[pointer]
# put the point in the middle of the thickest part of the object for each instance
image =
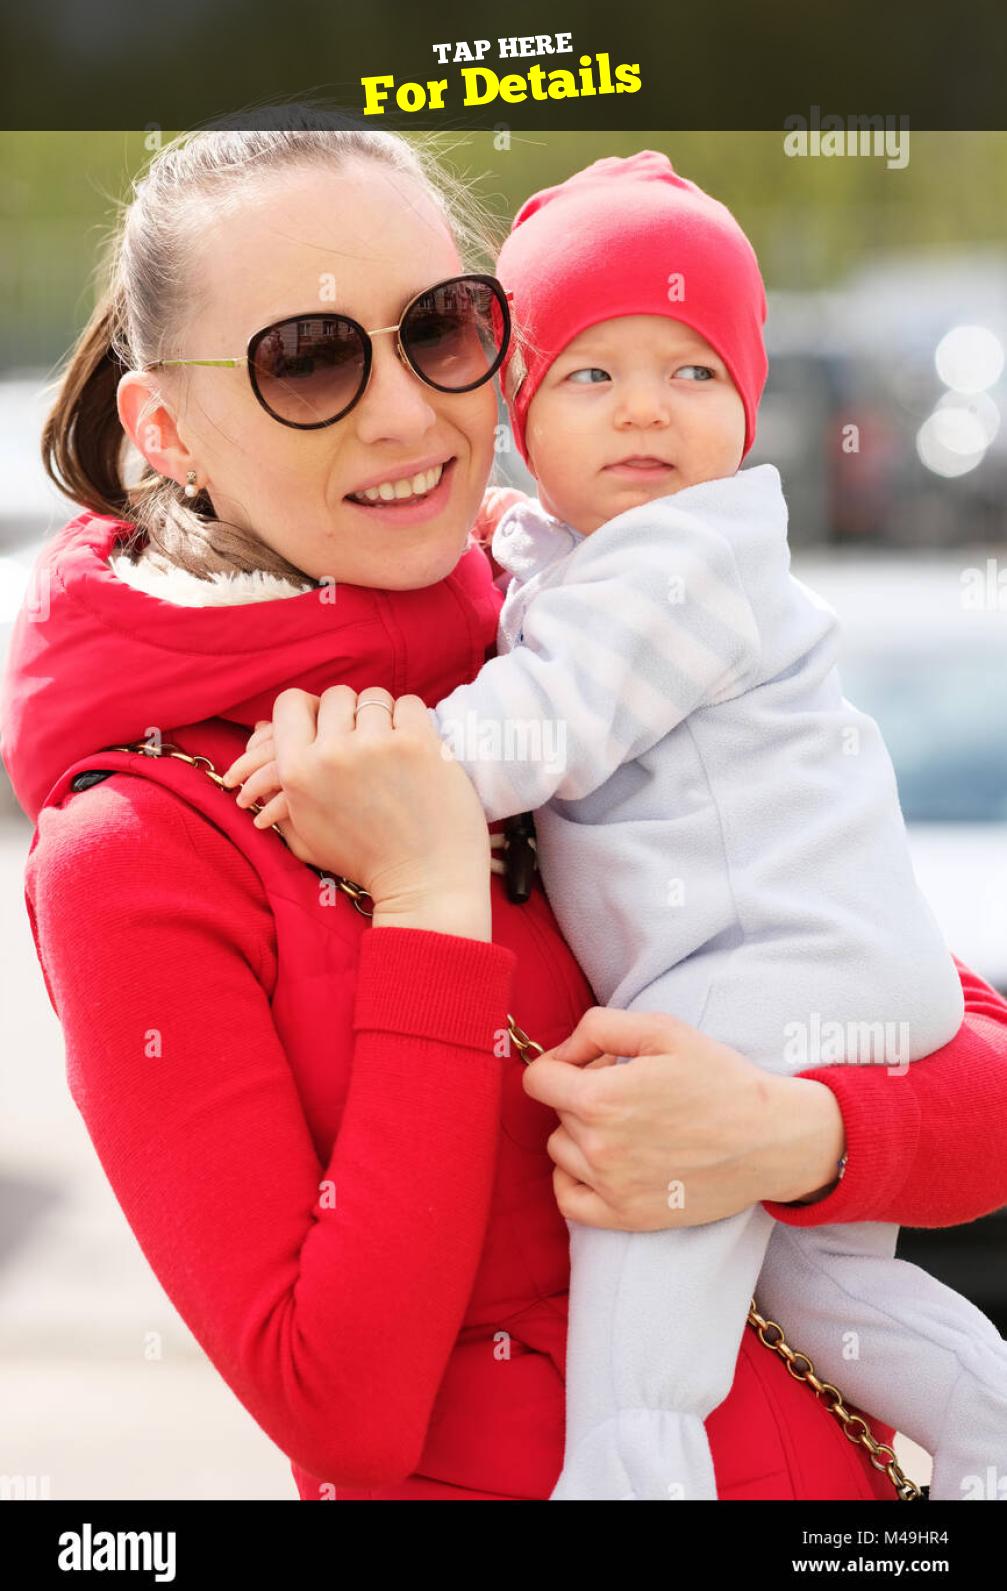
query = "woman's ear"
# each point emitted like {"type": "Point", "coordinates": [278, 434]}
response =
{"type": "Point", "coordinates": [147, 420]}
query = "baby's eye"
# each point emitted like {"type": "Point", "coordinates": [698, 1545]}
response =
{"type": "Point", "coordinates": [707, 372]}
{"type": "Point", "coordinates": [589, 371]}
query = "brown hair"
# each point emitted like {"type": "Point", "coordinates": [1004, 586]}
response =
{"type": "Point", "coordinates": [144, 286]}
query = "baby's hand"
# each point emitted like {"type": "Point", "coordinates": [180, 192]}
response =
{"type": "Point", "coordinates": [257, 773]}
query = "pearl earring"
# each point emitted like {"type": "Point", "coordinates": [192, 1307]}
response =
{"type": "Point", "coordinates": [190, 484]}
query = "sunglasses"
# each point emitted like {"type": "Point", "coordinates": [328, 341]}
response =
{"type": "Point", "coordinates": [310, 370]}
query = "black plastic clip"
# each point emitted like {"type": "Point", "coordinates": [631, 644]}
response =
{"type": "Point", "coordinates": [90, 776]}
{"type": "Point", "coordinates": [519, 857]}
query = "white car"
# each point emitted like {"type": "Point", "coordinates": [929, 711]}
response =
{"type": "Point", "coordinates": [924, 651]}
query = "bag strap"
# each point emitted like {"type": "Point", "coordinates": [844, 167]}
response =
{"type": "Point", "coordinates": [855, 1427]}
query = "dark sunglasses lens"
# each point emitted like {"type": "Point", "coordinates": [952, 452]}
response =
{"type": "Point", "coordinates": [309, 370]}
{"type": "Point", "coordinates": [454, 335]}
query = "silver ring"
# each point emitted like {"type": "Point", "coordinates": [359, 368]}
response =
{"type": "Point", "coordinates": [373, 703]}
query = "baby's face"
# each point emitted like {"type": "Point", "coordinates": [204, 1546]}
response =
{"type": "Point", "coordinates": [640, 387]}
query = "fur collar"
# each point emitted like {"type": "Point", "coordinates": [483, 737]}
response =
{"type": "Point", "coordinates": [158, 578]}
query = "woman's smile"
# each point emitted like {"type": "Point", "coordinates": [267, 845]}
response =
{"type": "Point", "coordinates": [394, 506]}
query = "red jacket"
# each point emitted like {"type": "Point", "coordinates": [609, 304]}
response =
{"type": "Point", "coordinates": [334, 1172]}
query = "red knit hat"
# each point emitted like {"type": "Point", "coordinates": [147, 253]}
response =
{"type": "Point", "coordinates": [630, 237]}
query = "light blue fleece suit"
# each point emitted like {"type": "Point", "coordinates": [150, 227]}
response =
{"type": "Point", "coordinates": [720, 837]}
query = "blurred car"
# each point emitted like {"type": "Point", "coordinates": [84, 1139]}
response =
{"type": "Point", "coordinates": [31, 507]}
{"type": "Point", "coordinates": [924, 651]}
{"type": "Point", "coordinates": [30, 504]}
{"type": "Point", "coordinates": [15, 580]}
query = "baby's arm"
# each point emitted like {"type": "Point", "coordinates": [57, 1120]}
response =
{"type": "Point", "coordinates": [650, 622]}
{"type": "Point", "coordinates": [496, 502]}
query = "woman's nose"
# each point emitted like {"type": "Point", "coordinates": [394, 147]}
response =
{"type": "Point", "coordinates": [396, 402]}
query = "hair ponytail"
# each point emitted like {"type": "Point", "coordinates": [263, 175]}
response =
{"type": "Point", "coordinates": [82, 438]}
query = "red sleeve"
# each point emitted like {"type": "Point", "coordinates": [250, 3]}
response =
{"type": "Point", "coordinates": [929, 1147]}
{"type": "Point", "coordinates": [331, 1319]}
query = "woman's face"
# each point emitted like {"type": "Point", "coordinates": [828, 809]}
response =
{"type": "Point", "coordinates": [363, 240]}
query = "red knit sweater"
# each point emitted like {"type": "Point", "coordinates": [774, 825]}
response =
{"type": "Point", "coordinates": [218, 1183]}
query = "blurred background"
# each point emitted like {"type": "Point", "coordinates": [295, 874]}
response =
{"type": "Point", "coordinates": [886, 331]}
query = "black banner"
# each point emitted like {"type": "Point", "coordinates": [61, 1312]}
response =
{"type": "Point", "coordinates": [553, 65]}
{"type": "Point", "coordinates": [189, 1544]}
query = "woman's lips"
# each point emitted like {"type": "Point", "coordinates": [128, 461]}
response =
{"type": "Point", "coordinates": [410, 510]}
{"type": "Point", "coordinates": [640, 469]}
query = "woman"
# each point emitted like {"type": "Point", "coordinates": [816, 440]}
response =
{"type": "Point", "coordinates": [320, 1130]}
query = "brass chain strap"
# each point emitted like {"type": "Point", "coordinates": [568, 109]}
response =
{"type": "Point", "coordinates": [356, 892]}
{"type": "Point", "coordinates": [855, 1428]}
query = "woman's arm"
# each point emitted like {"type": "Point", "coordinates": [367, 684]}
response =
{"type": "Point", "coordinates": [328, 1294]}
{"type": "Point", "coordinates": [926, 1148]}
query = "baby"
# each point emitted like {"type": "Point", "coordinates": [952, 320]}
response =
{"type": "Point", "coordinates": [718, 829]}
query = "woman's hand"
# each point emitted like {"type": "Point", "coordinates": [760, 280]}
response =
{"type": "Point", "coordinates": [256, 773]}
{"type": "Point", "coordinates": [368, 795]}
{"type": "Point", "coordinates": [688, 1131]}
